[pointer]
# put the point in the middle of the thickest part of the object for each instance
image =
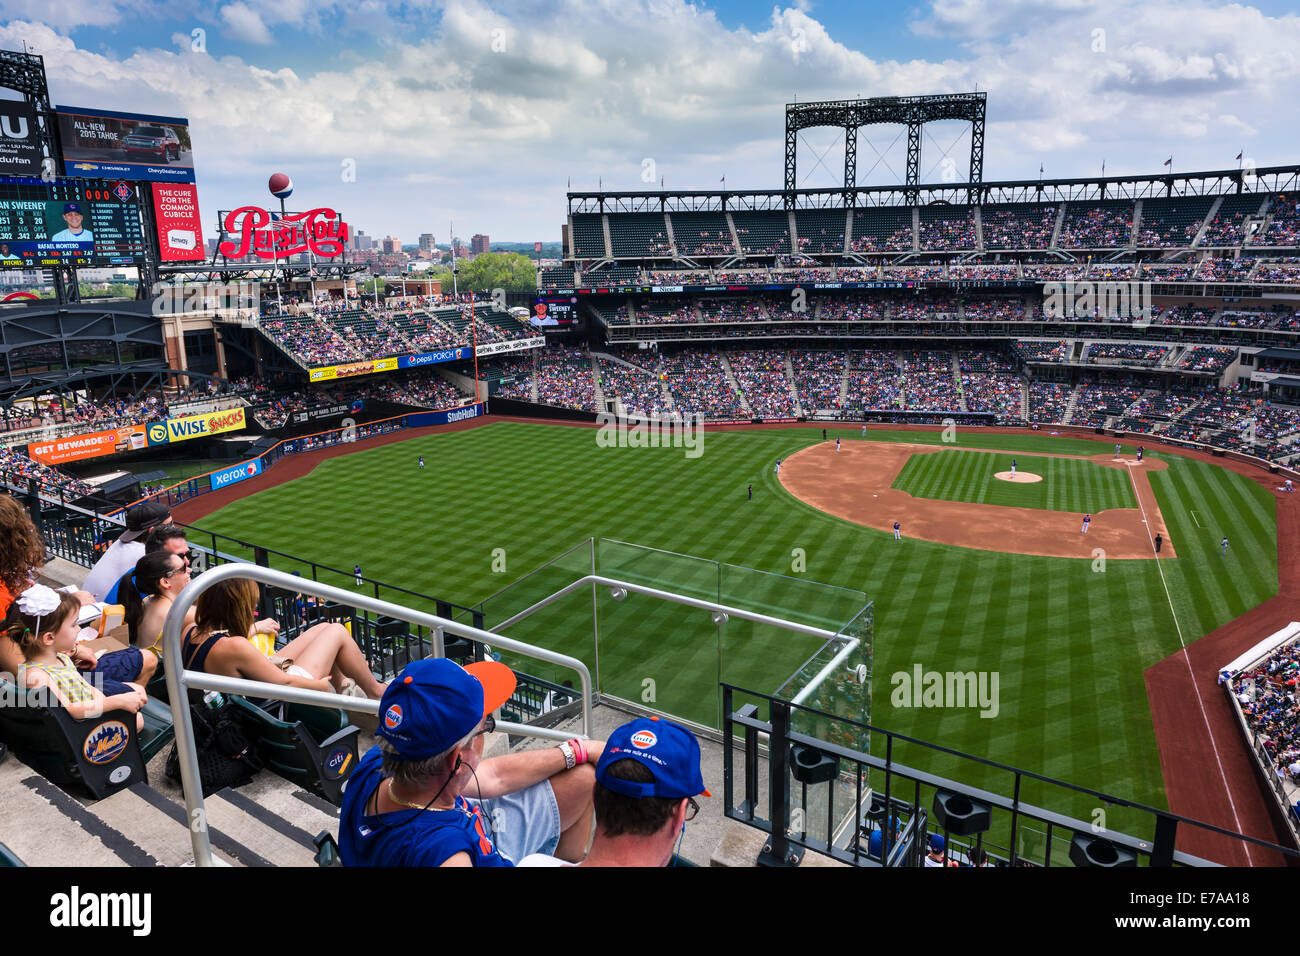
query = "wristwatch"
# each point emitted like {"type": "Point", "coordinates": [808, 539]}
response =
{"type": "Point", "coordinates": [570, 761]}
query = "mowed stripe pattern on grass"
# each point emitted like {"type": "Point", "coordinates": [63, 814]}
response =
{"type": "Point", "coordinates": [1069, 484]}
{"type": "Point", "coordinates": [1069, 641]}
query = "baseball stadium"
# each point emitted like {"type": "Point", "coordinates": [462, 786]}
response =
{"type": "Point", "coordinates": [955, 520]}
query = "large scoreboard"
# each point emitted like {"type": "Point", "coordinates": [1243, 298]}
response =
{"type": "Point", "coordinates": [69, 222]}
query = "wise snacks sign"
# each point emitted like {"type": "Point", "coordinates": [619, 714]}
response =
{"type": "Point", "coordinates": [196, 426]}
{"type": "Point", "coordinates": [251, 230]}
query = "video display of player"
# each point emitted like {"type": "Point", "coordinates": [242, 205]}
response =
{"type": "Point", "coordinates": [552, 311]}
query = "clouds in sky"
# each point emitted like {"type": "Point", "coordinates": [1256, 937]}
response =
{"type": "Point", "coordinates": [482, 111]}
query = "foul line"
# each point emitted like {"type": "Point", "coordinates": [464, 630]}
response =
{"type": "Point", "coordinates": [1196, 519]}
{"type": "Point", "coordinates": [1188, 661]}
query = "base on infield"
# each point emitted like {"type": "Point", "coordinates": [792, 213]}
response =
{"type": "Point", "coordinates": [1019, 477]}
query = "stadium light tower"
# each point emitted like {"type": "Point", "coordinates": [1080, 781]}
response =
{"type": "Point", "coordinates": [911, 111]}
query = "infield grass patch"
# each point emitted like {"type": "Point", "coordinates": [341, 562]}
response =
{"type": "Point", "coordinates": [1069, 484]}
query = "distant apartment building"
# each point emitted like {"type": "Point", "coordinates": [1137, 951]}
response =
{"type": "Point", "coordinates": [426, 242]}
{"type": "Point", "coordinates": [478, 243]}
{"type": "Point", "coordinates": [391, 245]}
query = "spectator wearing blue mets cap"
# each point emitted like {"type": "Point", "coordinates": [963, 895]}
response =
{"type": "Point", "coordinates": [424, 796]}
{"type": "Point", "coordinates": [646, 784]}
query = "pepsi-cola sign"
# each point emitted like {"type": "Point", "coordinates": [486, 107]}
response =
{"type": "Point", "coordinates": [321, 232]}
{"type": "Point", "coordinates": [236, 473]}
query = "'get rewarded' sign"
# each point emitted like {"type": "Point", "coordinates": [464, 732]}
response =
{"type": "Point", "coordinates": [196, 426]}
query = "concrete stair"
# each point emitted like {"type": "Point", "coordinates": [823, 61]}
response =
{"type": "Point", "coordinates": [1070, 406]}
{"type": "Point", "coordinates": [270, 822]}
{"type": "Point", "coordinates": [595, 381]}
{"type": "Point", "coordinates": [1056, 229]}
{"type": "Point", "coordinates": [961, 386]}
{"type": "Point", "coordinates": [1209, 218]}
{"type": "Point", "coordinates": [735, 385]}
{"type": "Point", "coordinates": [794, 393]}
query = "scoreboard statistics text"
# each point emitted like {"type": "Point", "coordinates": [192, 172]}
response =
{"type": "Point", "coordinates": [83, 223]}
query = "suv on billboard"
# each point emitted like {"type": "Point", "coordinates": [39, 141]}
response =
{"type": "Point", "coordinates": [158, 141]}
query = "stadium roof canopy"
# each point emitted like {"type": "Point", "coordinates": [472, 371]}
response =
{"type": "Point", "coordinates": [1291, 355]}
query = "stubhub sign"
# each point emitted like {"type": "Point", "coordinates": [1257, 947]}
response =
{"type": "Point", "coordinates": [235, 474]}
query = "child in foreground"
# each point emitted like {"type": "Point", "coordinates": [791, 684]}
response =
{"type": "Point", "coordinates": [47, 637]}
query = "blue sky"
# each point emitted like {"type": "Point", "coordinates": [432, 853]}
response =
{"type": "Point", "coordinates": [480, 111]}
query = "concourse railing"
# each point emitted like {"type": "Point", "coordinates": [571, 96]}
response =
{"type": "Point", "coordinates": [818, 774]}
{"type": "Point", "coordinates": [180, 681]}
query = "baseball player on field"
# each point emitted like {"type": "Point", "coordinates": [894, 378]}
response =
{"type": "Point", "coordinates": [898, 531]}
{"type": "Point", "coordinates": [1013, 466]}
{"type": "Point", "coordinates": [1087, 520]}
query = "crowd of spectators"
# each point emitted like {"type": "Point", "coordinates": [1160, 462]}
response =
{"type": "Point", "coordinates": [1101, 226]}
{"type": "Point", "coordinates": [955, 230]}
{"type": "Point", "coordinates": [637, 389]}
{"type": "Point", "coordinates": [1207, 358]}
{"type": "Point", "coordinates": [1126, 353]}
{"type": "Point", "coordinates": [1095, 402]}
{"type": "Point", "coordinates": [731, 310]}
{"type": "Point", "coordinates": [1052, 351]}
{"type": "Point", "coordinates": [761, 377]}
{"type": "Point", "coordinates": [330, 336]}
{"type": "Point", "coordinates": [1269, 695]}
{"type": "Point", "coordinates": [975, 270]}
{"type": "Point", "coordinates": [1278, 271]}
{"type": "Point", "coordinates": [997, 392]}
{"type": "Point", "coordinates": [1018, 227]}
{"type": "Point", "coordinates": [1002, 309]}
{"type": "Point", "coordinates": [1283, 224]}
{"type": "Point", "coordinates": [699, 385]}
{"type": "Point", "coordinates": [18, 470]}
{"type": "Point", "coordinates": [564, 378]}
{"type": "Point", "coordinates": [1048, 401]}
{"type": "Point", "coordinates": [854, 309]}
{"type": "Point", "coordinates": [818, 377]}
{"type": "Point", "coordinates": [928, 384]}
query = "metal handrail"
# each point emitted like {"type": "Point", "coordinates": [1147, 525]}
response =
{"type": "Point", "coordinates": [179, 680]}
{"type": "Point", "coordinates": [702, 604]}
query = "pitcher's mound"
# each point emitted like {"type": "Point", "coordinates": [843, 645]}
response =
{"type": "Point", "coordinates": [1023, 477]}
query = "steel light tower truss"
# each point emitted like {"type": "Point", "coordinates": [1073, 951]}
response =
{"type": "Point", "coordinates": [911, 111]}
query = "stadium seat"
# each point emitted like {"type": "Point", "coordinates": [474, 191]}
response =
{"type": "Point", "coordinates": [315, 747]}
{"type": "Point", "coordinates": [8, 857]}
{"type": "Point", "coordinates": [99, 754]}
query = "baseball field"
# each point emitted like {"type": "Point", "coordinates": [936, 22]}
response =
{"type": "Point", "coordinates": [990, 575]}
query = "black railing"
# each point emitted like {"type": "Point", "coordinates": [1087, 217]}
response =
{"type": "Point", "coordinates": [81, 536]}
{"type": "Point", "coordinates": [875, 792]}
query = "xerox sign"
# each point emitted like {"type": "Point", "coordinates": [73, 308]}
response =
{"type": "Point", "coordinates": [235, 474]}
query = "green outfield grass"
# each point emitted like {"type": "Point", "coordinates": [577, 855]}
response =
{"type": "Point", "coordinates": [1069, 640]}
{"type": "Point", "coordinates": [1069, 484]}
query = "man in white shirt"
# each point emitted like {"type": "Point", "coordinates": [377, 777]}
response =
{"type": "Point", "coordinates": [647, 779]}
{"type": "Point", "coordinates": [123, 553]}
{"type": "Point", "coordinates": [73, 216]}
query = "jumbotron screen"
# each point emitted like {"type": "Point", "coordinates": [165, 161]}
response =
{"type": "Point", "coordinates": [554, 310]}
{"type": "Point", "coordinates": [66, 222]}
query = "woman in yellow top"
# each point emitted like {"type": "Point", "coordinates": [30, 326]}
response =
{"type": "Point", "coordinates": [147, 594]}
